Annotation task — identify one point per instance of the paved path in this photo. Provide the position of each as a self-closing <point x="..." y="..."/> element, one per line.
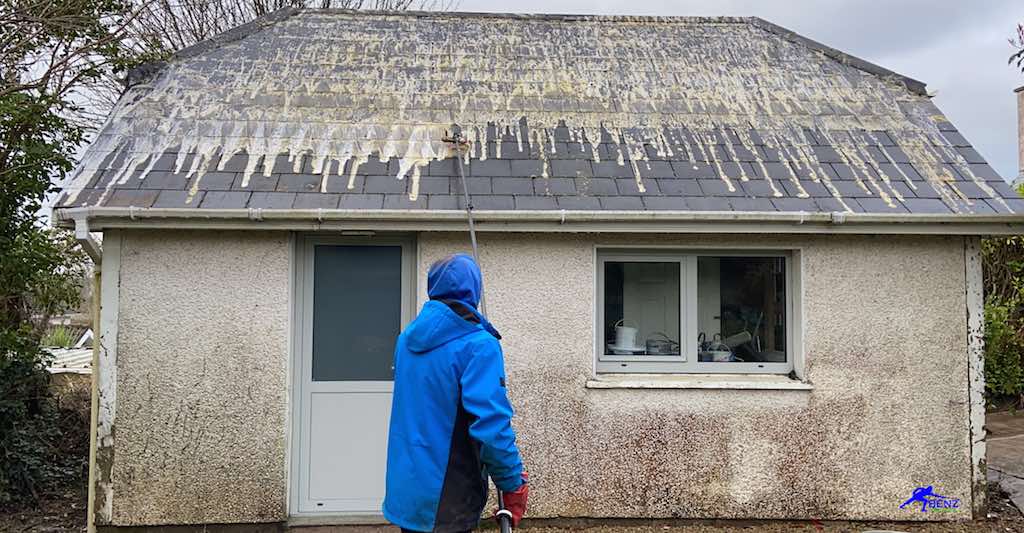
<point x="1006" y="453"/>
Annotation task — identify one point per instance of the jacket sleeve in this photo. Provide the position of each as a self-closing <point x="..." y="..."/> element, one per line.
<point x="484" y="398"/>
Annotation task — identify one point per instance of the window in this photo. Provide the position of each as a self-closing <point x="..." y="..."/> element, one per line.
<point x="705" y="312"/>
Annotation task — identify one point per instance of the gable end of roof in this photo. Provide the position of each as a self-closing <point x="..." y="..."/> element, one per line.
<point x="915" y="86"/>
<point x="144" y="72"/>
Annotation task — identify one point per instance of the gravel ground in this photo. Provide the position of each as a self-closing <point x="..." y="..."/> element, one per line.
<point x="66" y="514"/>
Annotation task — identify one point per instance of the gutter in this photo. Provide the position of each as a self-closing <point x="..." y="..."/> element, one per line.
<point x="100" y="218"/>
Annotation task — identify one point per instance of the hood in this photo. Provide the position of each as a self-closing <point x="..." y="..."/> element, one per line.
<point x="437" y="325"/>
<point x="456" y="277"/>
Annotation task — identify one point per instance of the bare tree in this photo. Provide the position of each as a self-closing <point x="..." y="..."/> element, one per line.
<point x="56" y="48"/>
<point x="165" y="26"/>
<point x="1017" y="42"/>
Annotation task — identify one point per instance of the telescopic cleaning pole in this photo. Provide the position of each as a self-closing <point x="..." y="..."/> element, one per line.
<point x="460" y="143"/>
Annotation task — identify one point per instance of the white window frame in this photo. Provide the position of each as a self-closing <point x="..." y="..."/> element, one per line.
<point x="687" y="362"/>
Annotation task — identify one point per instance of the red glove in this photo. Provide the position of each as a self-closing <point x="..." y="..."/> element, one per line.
<point x="515" y="501"/>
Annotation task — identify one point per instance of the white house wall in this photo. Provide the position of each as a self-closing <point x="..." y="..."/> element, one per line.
<point x="203" y="356"/>
<point x="885" y="338"/>
<point x="202" y="378"/>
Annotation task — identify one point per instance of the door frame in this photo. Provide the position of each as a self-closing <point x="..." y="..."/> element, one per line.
<point x="301" y="341"/>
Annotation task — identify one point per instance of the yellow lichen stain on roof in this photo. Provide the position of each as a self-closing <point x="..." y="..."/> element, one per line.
<point x="341" y="89"/>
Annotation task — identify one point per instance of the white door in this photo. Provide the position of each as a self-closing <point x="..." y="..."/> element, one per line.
<point x="355" y="298"/>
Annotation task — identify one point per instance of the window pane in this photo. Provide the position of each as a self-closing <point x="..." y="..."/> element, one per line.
<point x="741" y="309"/>
<point x="357" y="312"/>
<point x="641" y="308"/>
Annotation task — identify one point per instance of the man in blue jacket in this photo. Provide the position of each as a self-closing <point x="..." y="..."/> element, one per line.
<point x="451" y="421"/>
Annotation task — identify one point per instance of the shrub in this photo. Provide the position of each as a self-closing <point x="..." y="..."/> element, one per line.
<point x="1003" y="262"/>
<point x="59" y="337"/>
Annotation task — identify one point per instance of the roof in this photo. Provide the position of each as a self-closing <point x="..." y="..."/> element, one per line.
<point x="343" y="111"/>
<point x="71" y="360"/>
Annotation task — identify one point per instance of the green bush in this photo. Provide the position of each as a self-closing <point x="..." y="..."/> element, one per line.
<point x="43" y="444"/>
<point x="1004" y="348"/>
<point x="1003" y="263"/>
<point x="59" y="337"/>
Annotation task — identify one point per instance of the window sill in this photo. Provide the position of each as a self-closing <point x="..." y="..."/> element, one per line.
<point x="697" y="381"/>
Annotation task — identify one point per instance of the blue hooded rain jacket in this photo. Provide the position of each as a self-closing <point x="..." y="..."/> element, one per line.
<point x="450" y="417"/>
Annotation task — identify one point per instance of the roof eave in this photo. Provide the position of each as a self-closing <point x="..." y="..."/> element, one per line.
<point x="101" y="218"/>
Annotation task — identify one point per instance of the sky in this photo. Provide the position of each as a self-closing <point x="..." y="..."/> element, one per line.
<point x="958" y="47"/>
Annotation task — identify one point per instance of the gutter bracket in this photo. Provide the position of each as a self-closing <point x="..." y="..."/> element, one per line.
<point x="89" y="244"/>
<point x="256" y="213"/>
<point x="838" y="217"/>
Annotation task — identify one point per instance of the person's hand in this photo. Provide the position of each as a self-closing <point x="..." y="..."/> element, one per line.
<point x="515" y="501"/>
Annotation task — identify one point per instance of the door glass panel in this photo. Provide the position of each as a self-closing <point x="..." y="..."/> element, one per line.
<point x="357" y="312"/>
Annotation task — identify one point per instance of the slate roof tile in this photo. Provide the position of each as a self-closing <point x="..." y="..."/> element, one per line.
<point x="385" y="184"/>
<point x="257" y="182"/>
<point x="834" y="205"/>
<point x="557" y="186"/>
<point x="490" y="168"/>
<point x="436" y="184"/>
<point x="926" y="205"/>
<point x="877" y="205"/>
<point x="402" y="201"/>
<point x="622" y="203"/>
<point x="213" y="181"/>
<point x="527" y="167"/>
<point x="596" y="186"/>
<point x="476" y="186"/>
<point x="494" y="202"/>
<point x="571" y="168"/>
<point x="132" y="197"/>
<point x="271" y="200"/>
<point x="226" y="200"/>
<point x="443" y="201"/>
<point x="679" y="187"/>
<point x="579" y="203"/>
<point x="752" y="204"/>
<point x="669" y="203"/>
<point x="361" y="201"/>
<point x="630" y="187"/>
<point x="512" y="185"/>
<point x="298" y="182"/>
<point x="611" y="169"/>
<point x="710" y="203"/>
<point x="762" y="188"/>
<point x="718" y="187"/>
<point x="536" y="202"/>
<point x="795" y="204"/>
<point x="178" y="199"/>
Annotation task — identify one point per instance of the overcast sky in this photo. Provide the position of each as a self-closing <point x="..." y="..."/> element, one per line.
<point x="958" y="47"/>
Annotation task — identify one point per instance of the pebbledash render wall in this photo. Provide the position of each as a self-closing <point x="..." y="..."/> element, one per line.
<point x="200" y="424"/>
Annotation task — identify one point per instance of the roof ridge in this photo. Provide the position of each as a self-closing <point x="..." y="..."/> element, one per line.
<point x="534" y="16"/>
<point x="144" y="71"/>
